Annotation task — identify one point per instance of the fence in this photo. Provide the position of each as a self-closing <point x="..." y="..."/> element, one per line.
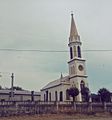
<point x="8" y="108"/>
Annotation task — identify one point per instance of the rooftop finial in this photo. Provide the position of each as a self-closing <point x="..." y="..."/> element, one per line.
<point x="61" y="76"/>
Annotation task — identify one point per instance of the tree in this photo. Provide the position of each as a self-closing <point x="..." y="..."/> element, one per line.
<point x="95" y="97"/>
<point x="73" y="92"/>
<point x="85" y="93"/>
<point x="105" y="95"/>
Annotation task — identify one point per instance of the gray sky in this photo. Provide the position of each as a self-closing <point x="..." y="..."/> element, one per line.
<point x="45" y="25"/>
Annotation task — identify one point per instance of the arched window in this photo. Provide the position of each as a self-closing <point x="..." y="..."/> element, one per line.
<point x="79" y="51"/>
<point x="71" y="54"/>
<point x="56" y="96"/>
<point x="67" y="95"/>
<point x="75" y="53"/>
<point x="82" y="84"/>
<point x="44" y="98"/>
<point x="61" y="96"/>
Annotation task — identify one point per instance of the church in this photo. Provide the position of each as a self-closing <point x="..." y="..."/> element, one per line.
<point x="57" y="90"/>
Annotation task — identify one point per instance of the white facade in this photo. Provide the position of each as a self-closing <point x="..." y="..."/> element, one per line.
<point x="52" y="91"/>
<point x="57" y="90"/>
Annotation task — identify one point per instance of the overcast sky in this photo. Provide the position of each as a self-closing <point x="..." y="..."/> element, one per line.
<point x="45" y="25"/>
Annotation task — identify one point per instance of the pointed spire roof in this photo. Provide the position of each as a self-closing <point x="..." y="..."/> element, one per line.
<point x="73" y="29"/>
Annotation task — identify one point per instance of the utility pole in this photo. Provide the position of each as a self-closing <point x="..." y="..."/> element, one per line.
<point x="12" y="85"/>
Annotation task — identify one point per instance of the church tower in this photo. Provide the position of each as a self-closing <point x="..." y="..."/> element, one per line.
<point x="77" y="70"/>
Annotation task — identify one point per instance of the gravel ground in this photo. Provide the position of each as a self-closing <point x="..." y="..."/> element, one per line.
<point x="60" y="117"/>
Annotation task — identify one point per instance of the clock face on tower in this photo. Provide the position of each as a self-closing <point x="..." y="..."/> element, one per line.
<point x="80" y="67"/>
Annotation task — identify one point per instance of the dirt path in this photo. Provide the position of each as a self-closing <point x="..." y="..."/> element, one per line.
<point x="59" y="117"/>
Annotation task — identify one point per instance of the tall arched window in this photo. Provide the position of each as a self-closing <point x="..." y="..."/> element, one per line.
<point x="82" y="84"/>
<point x="61" y="96"/>
<point x="56" y="96"/>
<point x="50" y="96"/>
<point x="75" y="53"/>
<point x="44" y="98"/>
<point x="71" y="53"/>
<point x="67" y="95"/>
<point x="79" y="51"/>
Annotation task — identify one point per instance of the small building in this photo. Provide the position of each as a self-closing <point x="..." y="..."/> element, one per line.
<point x="19" y="95"/>
<point x="57" y="90"/>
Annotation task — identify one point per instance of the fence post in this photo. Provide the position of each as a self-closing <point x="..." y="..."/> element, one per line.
<point x="57" y="106"/>
<point x="74" y="105"/>
<point x="105" y="107"/>
<point x="90" y="107"/>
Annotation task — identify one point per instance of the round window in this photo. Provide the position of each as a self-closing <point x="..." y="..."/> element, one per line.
<point x="80" y="67"/>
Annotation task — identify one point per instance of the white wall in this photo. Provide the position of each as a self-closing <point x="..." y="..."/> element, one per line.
<point x="62" y="88"/>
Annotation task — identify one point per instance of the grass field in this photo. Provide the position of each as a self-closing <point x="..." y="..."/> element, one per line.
<point x="60" y="117"/>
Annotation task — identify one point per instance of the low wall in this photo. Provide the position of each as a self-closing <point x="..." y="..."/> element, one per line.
<point x="27" y="107"/>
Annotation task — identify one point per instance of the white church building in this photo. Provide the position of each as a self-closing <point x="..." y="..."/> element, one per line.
<point x="57" y="90"/>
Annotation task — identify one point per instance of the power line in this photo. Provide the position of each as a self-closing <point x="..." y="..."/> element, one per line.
<point x="33" y="50"/>
<point x="39" y="50"/>
<point x="97" y="50"/>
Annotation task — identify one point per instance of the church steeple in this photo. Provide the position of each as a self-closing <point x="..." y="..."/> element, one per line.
<point x="73" y="30"/>
<point x="74" y="41"/>
<point x="77" y="70"/>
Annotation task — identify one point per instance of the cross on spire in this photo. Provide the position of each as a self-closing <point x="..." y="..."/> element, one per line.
<point x="71" y="13"/>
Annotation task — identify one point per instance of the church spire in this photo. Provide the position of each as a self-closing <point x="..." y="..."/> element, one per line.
<point x="73" y="30"/>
